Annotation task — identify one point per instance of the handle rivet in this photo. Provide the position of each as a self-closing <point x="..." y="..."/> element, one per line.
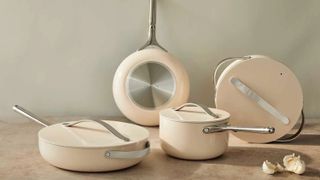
<point x="108" y="154"/>
<point x="206" y="130"/>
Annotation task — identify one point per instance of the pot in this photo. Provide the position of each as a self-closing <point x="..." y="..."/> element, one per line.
<point x="90" y="145"/>
<point x="196" y="132"/>
<point x="149" y="80"/>
<point x="261" y="91"/>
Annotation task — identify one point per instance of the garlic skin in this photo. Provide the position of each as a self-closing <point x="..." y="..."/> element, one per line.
<point x="268" y="167"/>
<point x="279" y="168"/>
<point x="294" y="164"/>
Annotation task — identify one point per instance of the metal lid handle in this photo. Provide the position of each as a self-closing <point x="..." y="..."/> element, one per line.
<point x="202" y="107"/>
<point x="39" y="120"/>
<point x="102" y="123"/>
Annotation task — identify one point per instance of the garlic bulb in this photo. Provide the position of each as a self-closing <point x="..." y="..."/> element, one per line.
<point x="268" y="167"/>
<point x="294" y="164"/>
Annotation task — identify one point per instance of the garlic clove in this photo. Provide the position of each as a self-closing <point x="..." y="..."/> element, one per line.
<point x="279" y="168"/>
<point x="294" y="164"/>
<point x="268" y="167"/>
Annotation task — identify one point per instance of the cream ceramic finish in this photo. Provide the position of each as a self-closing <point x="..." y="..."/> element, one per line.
<point x="274" y="82"/>
<point x="92" y="135"/>
<point x="83" y="147"/>
<point x="135" y="112"/>
<point x="182" y="137"/>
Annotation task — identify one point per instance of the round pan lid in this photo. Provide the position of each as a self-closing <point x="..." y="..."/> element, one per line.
<point x="194" y="113"/>
<point x="260" y="92"/>
<point x="89" y="134"/>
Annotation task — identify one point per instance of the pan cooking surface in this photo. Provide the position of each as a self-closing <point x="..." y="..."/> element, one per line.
<point x="150" y="85"/>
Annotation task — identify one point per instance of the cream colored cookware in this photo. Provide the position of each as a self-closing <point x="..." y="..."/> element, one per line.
<point x="90" y="145"/>
<point x="149" y="80"/>
<point x="196" y="132"/>
<point x="259" y="91"/>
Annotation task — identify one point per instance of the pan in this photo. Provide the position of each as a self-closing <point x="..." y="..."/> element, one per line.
<point x="90" y="145"/>
<point x="149" y="80"/>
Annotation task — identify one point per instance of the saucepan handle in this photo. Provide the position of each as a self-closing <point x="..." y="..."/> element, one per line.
<point x="115" y="154"/>
<point x="218" y="128"/>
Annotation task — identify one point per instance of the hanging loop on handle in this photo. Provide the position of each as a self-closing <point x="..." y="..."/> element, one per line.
<point x="152" y="40"/>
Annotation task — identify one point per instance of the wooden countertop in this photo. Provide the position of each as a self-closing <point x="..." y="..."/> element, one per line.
<point x="20" y="158"/>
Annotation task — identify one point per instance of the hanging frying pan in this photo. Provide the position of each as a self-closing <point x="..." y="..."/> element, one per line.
<point x="90" y="145"/>
<point x="150" y="80"/>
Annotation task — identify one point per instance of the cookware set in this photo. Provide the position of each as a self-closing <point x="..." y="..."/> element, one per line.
<point x="253" y="94"/>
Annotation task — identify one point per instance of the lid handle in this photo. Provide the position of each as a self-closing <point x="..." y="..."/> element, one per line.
<point x="250" y="93"/>
<point x="102" y="123"/>
<point x="39" y="120"/>
<point x="201" y="106"/>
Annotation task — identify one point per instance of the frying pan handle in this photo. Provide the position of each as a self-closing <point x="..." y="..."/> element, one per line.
<point x="129" y="154"/>
<point x="217" y="128"/>
<point x="102" y="123"/>
<point x="152" y="40"/>
<point x="203" y="107"/>
<point x="30" y="115"/>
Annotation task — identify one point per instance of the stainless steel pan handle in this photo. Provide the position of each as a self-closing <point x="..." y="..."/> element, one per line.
<point x="261" y="130"/>
<point x="152" y="40"/>
<point x="39" y="120"/>
<point x="30" y="115"/>
<point x="128" y="154"/>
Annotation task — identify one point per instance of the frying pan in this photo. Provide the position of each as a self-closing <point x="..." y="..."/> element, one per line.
<point x="149" y="80"/>
<point x="90" y="145"/>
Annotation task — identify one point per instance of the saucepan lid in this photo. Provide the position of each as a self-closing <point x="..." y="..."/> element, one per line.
<point x="195" y="113"/>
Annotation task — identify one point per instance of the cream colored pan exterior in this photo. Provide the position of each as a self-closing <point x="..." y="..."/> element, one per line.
<point x="135" y="112"/>
<point x="85" y="147"/>
<point x="86" y="159"/>
<point x="182" y="136"/>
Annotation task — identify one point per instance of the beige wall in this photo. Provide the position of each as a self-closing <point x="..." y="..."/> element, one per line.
<point x="58" y="57"/>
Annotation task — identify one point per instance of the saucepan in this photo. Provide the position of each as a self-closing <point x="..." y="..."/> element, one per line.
<point x="90" y="145"/>
<point x="196" y="132"/>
